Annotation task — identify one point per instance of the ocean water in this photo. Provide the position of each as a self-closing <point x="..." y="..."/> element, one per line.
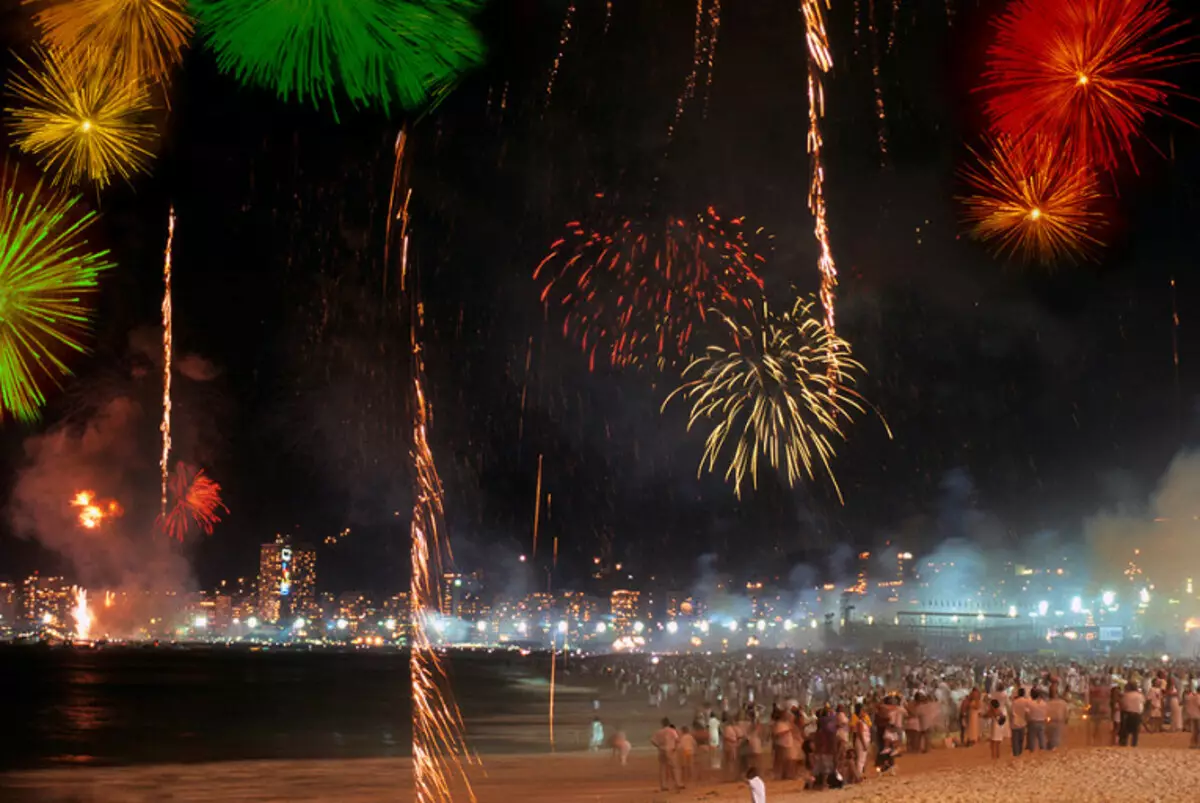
<point x="132" y="705"/>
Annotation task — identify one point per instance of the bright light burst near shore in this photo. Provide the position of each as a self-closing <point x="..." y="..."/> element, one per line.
<point x="1082" y="73"/>
<point x="374" y="53"/>
<point x="1033" y="201"/>
<point x="131" y="41"/>
<point x="632" y="293"/>
<point x="81" y="122"/>
<point x="47" y="275"/>
<point x="782" y="388"/>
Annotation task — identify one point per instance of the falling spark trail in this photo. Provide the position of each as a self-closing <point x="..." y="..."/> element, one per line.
<point x="564" y="38"/>
<point x="537" y="506"/>
<point x="608" y="14"/>
<point x="819" y="62"/>
<point x="167" y="316"/>
<point x="877" y="84"/>
<point x="438" y="748"/>
<point x="891" y="42"/>
<point x="704" y="53"/>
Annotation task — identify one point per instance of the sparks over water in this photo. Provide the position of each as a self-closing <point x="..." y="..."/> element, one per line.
<point x="82" y="614"/>
<point x="819" y="62"/>
<point x="167" y="347"/>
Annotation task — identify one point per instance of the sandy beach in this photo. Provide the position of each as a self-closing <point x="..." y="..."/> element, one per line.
<point x="1162" y="769"/>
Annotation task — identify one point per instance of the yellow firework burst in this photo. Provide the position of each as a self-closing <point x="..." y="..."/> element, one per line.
<point x="80" y="122"/>
<point x="136" y="40"/>
<point x="783" y="389"/>
<point x="1033" y="200"/>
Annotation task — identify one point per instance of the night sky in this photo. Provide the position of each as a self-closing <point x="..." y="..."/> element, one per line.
<point x="1052" y="393"/>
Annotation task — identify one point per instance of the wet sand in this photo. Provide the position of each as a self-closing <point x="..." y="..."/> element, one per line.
<point x="1160" y="769"/>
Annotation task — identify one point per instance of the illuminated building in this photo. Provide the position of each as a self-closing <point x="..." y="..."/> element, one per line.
<point x="42" y="596"/>
<point x="8" y="602"/>
<point x="623" y="604"/>
<point x="287" y="578"/>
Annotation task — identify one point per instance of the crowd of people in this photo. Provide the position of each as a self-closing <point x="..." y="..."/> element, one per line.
<point x="824" y="718"/>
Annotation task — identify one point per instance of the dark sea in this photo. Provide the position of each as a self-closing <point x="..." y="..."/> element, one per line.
<point x="131" y="705"/>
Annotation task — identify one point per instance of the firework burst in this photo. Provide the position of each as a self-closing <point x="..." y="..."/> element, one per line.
<point x="94" y="512"/>
<point x="47" y="275"/>
<point x="1083" y="73"/>
<point x="1033" y="201"/>
<point x="782" y="388"/>
<point x="131" y="41"/>
<point x="80" y="122"/>
<point x="197" y="500"/>
<point x="375" y="53"/>
<point x="632" y="294"/>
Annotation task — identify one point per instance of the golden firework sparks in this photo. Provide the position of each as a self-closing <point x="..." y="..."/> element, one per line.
<point x="783" y="389"/>
<point x="1032" y="200"/>
<point x="706" y="30"/>
<point x="82" y="614"/>
<point x="820" y="60"/>
<point x="165" y="427"/>
<point x="438" y="748"/>
<point x="132" y="40"/>
<point x="94" y="512"/>
<point x="78" y="120"/>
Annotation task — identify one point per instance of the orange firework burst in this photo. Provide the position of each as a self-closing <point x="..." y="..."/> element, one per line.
<point x="94" y="512"/>
<point x="197" y="501"/>
<point x="1082" y="72"/>
<point x="1031" y="200"/>
<point x="633" y="293"/>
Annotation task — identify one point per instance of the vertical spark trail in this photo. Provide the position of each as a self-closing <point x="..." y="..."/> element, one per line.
<point x="714" y="31"/>
<point x="608" y="14"/>
<point x="564" y="37"/>
<point x="877" y="83"/>
<point x="82" y="614"/>
<point x="537" y="506"/>
<point x="857" y="24"/>
<point x="438" y="748"/>
<point x="950" y="13"/>
<point x="704" y="53"/>
<point x="819" y="62"/>
<point x="891" y="43"/>
<point x="165" y="427"/>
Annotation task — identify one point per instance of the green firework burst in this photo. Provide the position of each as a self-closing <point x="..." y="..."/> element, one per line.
<point x="47" y="274"/>
<point x="375" y="53"/>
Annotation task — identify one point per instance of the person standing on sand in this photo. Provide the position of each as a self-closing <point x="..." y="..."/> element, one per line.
<point x="1020" y="708"/>
<point x="597" y="740"/>
<point x="714" y="740"/>
<point x="666" y="740"/>
<point x="687" y="753"/>
<point x="730" y="736"/>
<point x="1057" y="712"/>
<point x="1133" y="702"/>
<point x="758" y="790"/>
<point x="620" y="747"/>
<point x="999" y="727"/>
<point x="1035" y="722"/>
<point x="1192" y="706"/>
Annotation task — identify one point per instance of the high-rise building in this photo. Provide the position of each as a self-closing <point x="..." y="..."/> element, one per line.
<point x="287" y="579"/>
<point x="623" y="605"/>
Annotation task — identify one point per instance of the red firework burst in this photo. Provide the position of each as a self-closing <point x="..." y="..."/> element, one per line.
<point x="1082" y="72"/>
<point x="633" y="293"/>
<point x="197" y="500"/>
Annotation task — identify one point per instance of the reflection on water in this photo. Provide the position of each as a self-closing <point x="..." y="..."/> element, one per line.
<point x="139" y="705"/>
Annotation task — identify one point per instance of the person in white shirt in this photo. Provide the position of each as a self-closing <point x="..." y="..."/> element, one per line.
<point x="1020" y="708"/>
<point x="999" y="727"/>
<point x="758" y="790"/>
<point x="714" y="740"/>
<point x="1035" y="722"/>
<point x="1133" y="702"/>
<point x="597" y="740"/>
<point x="666" y="739"/>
